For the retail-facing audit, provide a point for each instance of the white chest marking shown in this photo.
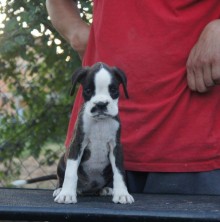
(99, 133)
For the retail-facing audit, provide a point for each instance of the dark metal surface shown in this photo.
(25, 204)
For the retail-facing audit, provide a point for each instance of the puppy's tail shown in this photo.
(19, 183)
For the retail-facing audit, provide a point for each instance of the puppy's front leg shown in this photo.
(120, 192)
(68, 191)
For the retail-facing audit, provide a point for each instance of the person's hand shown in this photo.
(203, 64)
(66, 19)
(79, 38)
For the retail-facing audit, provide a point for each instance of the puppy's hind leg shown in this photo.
(106, 191)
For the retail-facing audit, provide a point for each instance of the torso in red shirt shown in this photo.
(165, 126)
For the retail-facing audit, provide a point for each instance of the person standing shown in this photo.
(170, 51)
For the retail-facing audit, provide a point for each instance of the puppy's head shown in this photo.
(100, 89)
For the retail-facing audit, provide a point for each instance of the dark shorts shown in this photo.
(207, 183)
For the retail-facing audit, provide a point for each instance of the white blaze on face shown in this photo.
(102, 81)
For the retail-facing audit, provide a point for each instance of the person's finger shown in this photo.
(191, 79)
(199, 79)
(216, 73)
(207, 75)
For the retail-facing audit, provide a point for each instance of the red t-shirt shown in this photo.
(165, 126)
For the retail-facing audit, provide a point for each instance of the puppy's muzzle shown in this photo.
(100, 107)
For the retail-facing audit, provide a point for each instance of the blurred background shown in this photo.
(36, 66)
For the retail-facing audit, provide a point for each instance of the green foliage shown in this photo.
(36, 65)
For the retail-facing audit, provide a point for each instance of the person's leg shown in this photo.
(170, 183)
(184, 183)
(174, 183)
(136, 181)
(209, 183)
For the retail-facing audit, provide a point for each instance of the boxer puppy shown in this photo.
(94, 157)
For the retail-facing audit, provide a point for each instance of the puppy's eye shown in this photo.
(88, 91)
(113, 90)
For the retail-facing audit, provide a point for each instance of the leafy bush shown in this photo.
(36, 65)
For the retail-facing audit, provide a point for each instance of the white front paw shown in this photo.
(66, 197)
(56, 192)
(122, 197)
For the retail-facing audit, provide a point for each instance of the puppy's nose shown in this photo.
(101, 105)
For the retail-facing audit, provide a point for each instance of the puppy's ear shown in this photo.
(122, 79)
(77, 77)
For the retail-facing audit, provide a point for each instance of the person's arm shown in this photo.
(66, 19)
(203, 65)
